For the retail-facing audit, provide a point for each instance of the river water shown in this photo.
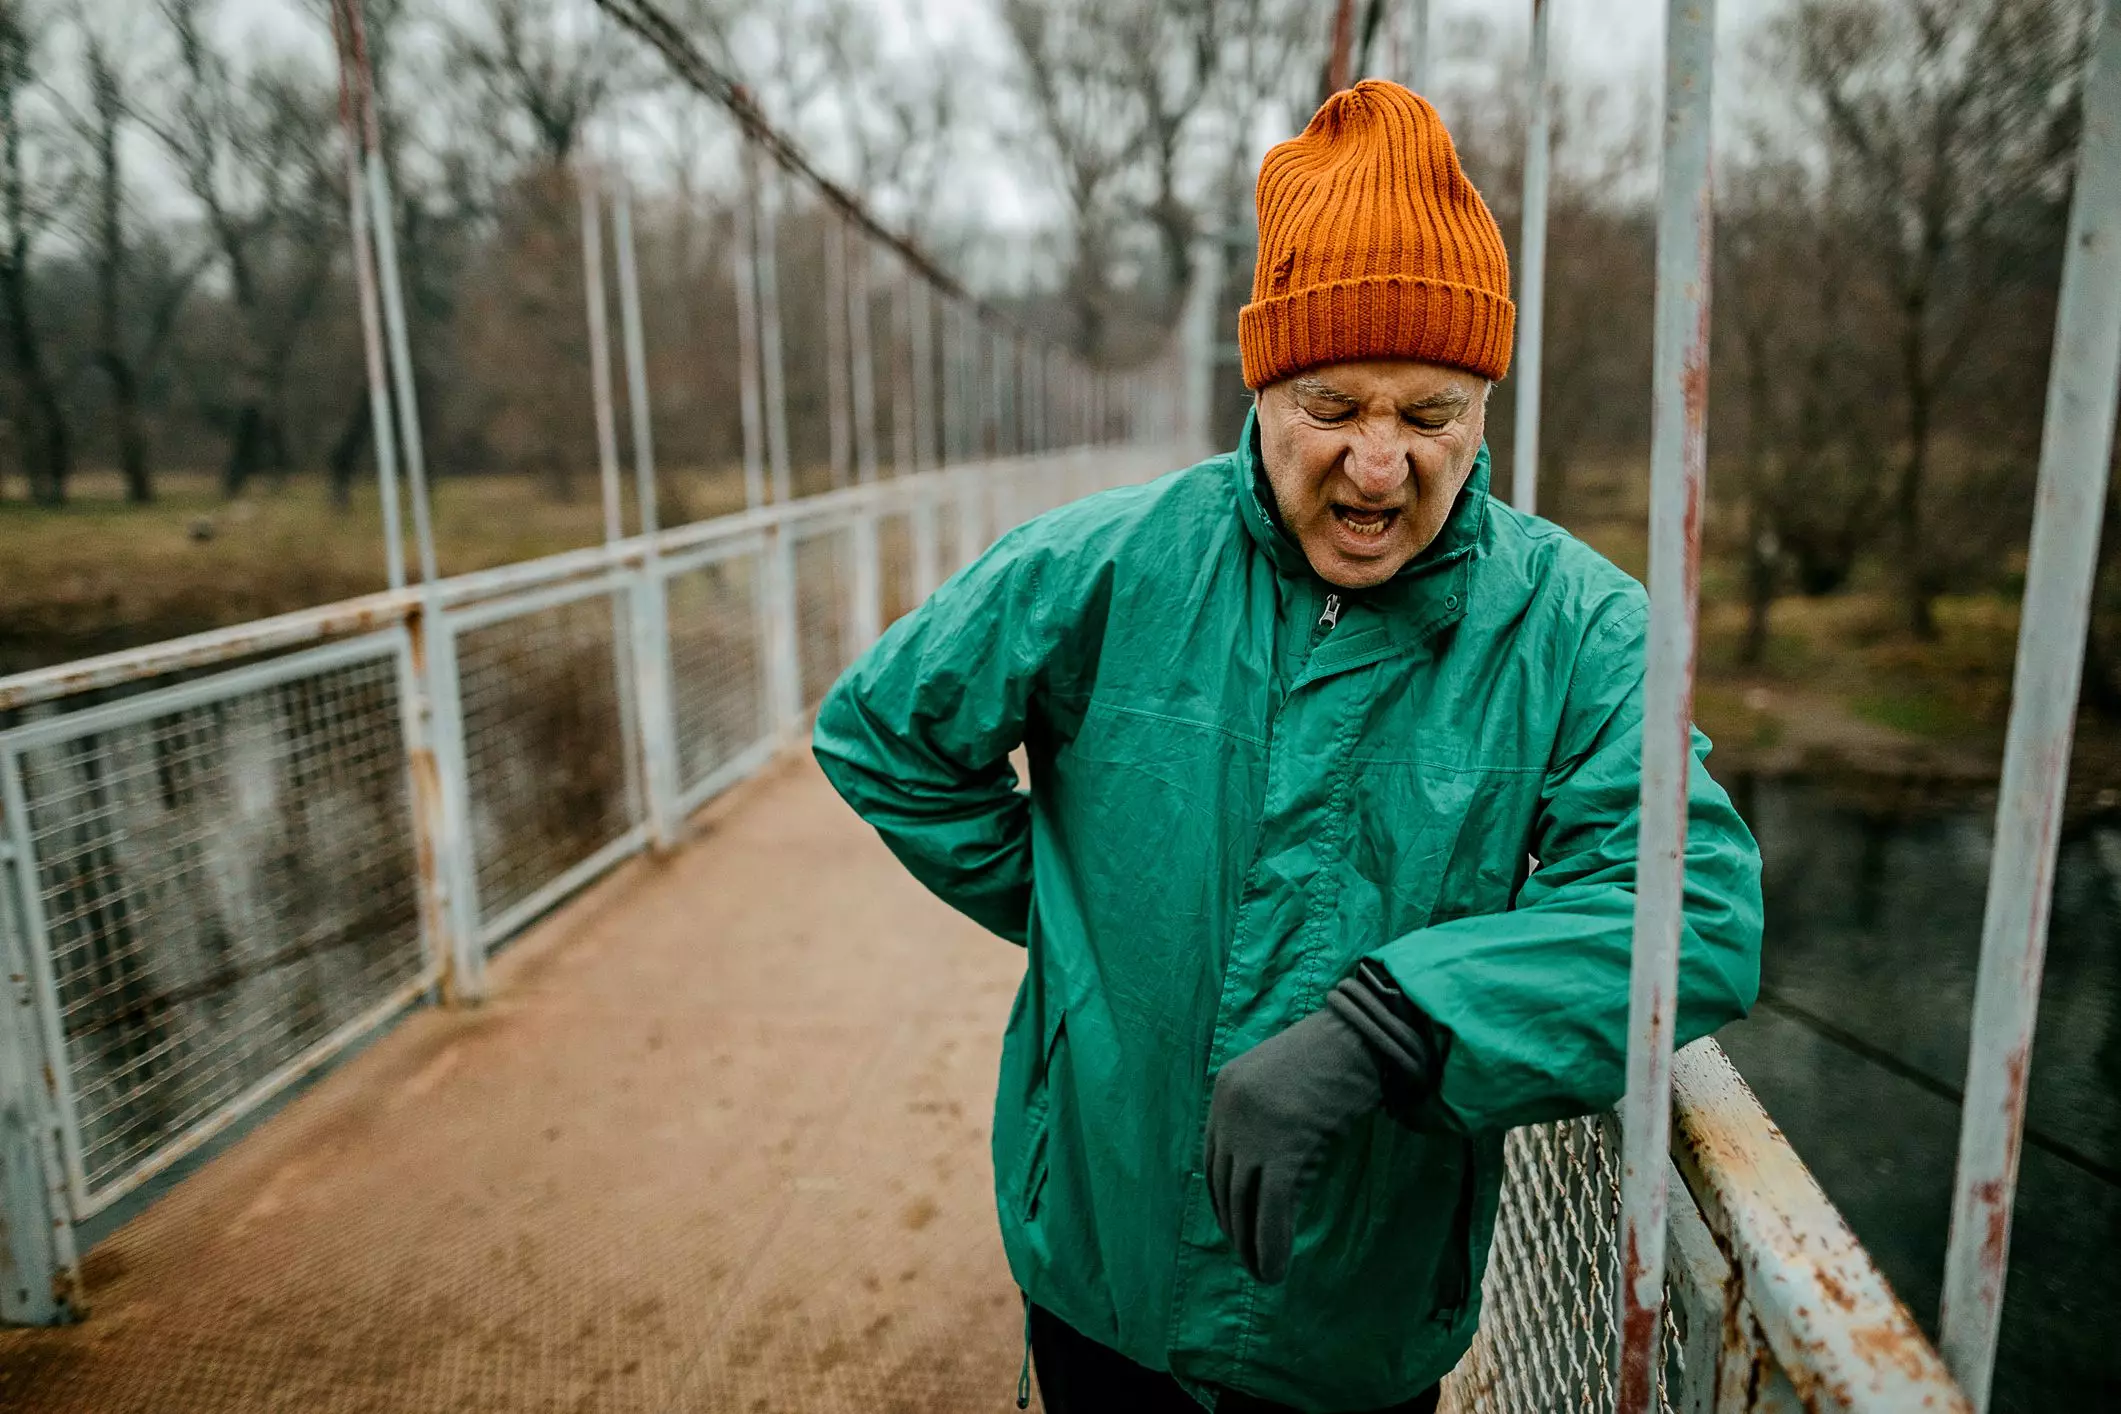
(1859, 1045)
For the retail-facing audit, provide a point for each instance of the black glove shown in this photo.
(1278, 1106)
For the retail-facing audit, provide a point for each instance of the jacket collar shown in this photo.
(1423, 597)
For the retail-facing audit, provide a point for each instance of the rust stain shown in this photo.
(1892, 1343)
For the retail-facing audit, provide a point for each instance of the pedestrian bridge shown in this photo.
(469, 997)
(605, 1060)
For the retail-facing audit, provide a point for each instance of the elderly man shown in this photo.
(1326, 867)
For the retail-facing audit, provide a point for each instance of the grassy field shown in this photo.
(99, 575)
(1842, 685)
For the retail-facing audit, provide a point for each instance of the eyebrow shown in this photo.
(1310, 387)
(1452, 400)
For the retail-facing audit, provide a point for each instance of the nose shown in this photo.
(1377, 464)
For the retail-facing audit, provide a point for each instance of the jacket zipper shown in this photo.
(1330, 615)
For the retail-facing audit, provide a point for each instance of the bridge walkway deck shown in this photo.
(718, 1142)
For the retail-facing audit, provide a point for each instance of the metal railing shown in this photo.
(216, 881)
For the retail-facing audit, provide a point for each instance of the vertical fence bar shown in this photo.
(769, 267)
(588, 186)
(2075, 445)
(40, 1281)
(744, 270)
(903, 372)
(861, 357)
(1678, 459)
(649, 609)
(354, 98)
(600, 353)
(636, 347)
(836, 300)
(445, 809)
(400, 343)
(1198, 336)
(1532, 271)
(867, 606)
(922, 338)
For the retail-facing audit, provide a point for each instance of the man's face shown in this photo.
(1367, 458)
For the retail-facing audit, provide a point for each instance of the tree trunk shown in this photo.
(245, 452)
(132, 438)
(47, 442)
(345, 455)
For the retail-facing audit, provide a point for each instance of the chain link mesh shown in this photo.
(222, 887)
(1550, 1303)
(717, 665)
(548, 744)
(824, 608)
(951, 551)
(896, 568)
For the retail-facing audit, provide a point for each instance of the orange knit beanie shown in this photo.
(1372, 244)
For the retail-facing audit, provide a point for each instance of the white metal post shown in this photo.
(622, 634)
(456, 880)
(1678, 458)
(836, 298)
(600, 355)
(1532, 271)
(927, 548)
(40, 1279)
(744, 274)
(923, 351)
(2076, 443)
(636, 347)
(1198, 337)
(657, 730)
(400, 344)
(768, 261)
(354, 96)
(903, 366)
(867, 605)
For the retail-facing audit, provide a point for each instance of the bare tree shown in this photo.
(1950, 118)
(1144, 112)
(28, 204)
(137, 303)
(251, 150)
(547, 68)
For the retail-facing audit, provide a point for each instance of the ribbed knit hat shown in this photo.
(1372, 244)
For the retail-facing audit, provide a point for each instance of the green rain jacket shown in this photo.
(1242, 783)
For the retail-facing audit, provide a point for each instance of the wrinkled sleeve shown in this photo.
(1534, 1001)
(916, 735)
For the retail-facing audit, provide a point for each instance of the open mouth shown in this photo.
(1365, 524)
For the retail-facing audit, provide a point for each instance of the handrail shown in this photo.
(368, 612)
(1834, 1325)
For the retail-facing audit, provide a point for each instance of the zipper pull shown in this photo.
(1331, 616)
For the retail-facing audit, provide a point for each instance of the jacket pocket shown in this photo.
(1033, 1164)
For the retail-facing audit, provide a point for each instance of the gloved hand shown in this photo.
(1278, 1106)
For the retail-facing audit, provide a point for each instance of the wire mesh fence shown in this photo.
(718, 665)
(548, 744)
(223, 879)
(898, 571)
(824, 607)
(1551, 1297)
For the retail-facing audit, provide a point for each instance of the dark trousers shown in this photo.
(1076, 1375)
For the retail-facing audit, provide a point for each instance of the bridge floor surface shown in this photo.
(717, 1142)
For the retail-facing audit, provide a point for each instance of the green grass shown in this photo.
(98, 575)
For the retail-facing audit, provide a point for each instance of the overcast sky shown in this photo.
(1617, 42)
